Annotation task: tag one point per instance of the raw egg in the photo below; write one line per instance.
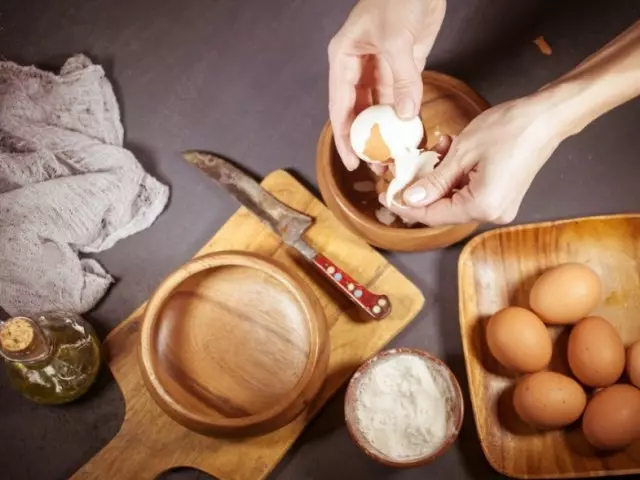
(612, 419)
(519, 340)
(549, 400)
(633, 363)
(596, 352)
(566, 293)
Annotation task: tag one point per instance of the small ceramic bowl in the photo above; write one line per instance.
(453, 400)
(234, 344)
(448, 105)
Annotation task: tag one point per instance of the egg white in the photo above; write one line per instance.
(402, 137)
(399, 135)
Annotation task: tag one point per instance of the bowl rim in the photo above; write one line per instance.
(301, 291)
(326, 140)
(349, 399)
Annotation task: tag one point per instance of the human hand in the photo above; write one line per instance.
(379, 53)
(488, 168)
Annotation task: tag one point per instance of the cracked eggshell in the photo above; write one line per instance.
(410, 167)
(379, 135)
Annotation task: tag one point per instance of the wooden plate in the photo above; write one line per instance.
(233, 343)
(497, 269)
(448, 105)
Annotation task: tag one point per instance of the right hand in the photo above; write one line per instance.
(488, 168)
(380, 51)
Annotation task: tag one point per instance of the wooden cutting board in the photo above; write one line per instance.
(150, 443)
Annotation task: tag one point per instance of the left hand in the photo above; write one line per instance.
(379, 54)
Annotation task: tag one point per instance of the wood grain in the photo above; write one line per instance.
(497, 269)
(448, 105)
(234, 343)
(149, 442)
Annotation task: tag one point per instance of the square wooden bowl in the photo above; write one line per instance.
(497, 269)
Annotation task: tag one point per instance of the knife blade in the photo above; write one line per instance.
(288, 224)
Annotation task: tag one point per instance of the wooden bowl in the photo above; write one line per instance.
(497, 269)
(448, 105)
(454, 402)
(233, 343)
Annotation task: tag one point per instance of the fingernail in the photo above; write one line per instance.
(405, 108)
(415, 195)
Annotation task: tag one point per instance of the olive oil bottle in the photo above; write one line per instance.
(50, 358)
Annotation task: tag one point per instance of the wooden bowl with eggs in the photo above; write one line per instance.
(549, 322)
(448, 105)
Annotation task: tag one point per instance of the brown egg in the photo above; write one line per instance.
(376, 148)
(596, 352)
(612, 418)
(549, 400)
(519, 340)
(566, 293)
(633, 363)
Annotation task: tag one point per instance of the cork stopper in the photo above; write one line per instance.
(16, 335)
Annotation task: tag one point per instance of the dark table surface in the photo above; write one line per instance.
(249, 80)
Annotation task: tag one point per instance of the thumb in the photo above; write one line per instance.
(407, 82)
(433, 186)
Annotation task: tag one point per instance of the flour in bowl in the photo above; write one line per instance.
(401, 407)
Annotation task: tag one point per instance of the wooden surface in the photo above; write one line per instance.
(149, 442)
(448, 105)
(497, 269)
(234, 343)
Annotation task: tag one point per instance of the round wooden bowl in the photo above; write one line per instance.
(448, 105)
(233, 343)
(454, 402)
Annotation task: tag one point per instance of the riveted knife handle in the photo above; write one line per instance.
(377, 306)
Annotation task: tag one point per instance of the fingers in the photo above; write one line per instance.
(443, 145)
(383, 82)
(435, 185)
(407, 82)
(449, 211)
(446, 211)
(344, 74)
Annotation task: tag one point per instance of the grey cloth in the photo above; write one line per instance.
(67, 186)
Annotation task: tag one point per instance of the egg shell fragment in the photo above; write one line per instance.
(595, 352)
(519, 340)
(549, 400)
(611, 420)
(566, 294)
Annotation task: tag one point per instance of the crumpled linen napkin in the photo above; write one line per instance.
(67, 186)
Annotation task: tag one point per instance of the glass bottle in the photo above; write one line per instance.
(50, 358)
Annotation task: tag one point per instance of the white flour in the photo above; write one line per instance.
(401, 409)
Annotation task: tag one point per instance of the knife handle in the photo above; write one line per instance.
(377, 306)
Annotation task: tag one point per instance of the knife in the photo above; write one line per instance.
(287, 223)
